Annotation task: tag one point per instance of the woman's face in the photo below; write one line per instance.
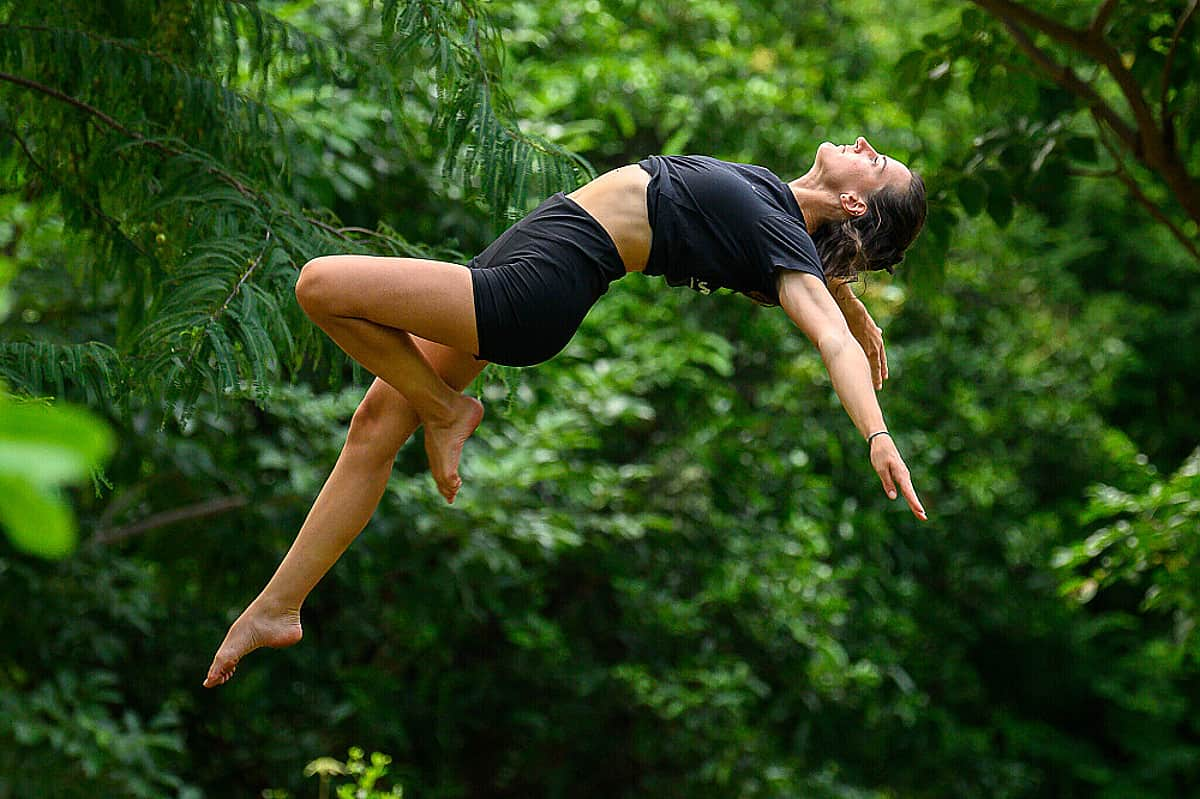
(859, 168)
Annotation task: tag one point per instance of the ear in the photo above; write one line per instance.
(852, 204)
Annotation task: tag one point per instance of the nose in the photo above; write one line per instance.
(862, 145)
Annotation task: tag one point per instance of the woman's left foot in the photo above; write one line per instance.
(261, 624)
(444, 444)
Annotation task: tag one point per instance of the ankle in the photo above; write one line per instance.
(276, 605)
(442, 411)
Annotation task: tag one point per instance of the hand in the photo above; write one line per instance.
(886, 460)
(870, 336)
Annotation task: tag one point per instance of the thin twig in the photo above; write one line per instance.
(111, 221)
(245, 275)
(1156, 212)
(364, 231)
(136, 137)
(217, 312)
(1093, 173)
(90, 109)
(341, 232)
(327, 227)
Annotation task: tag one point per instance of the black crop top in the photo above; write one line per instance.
(718, 224)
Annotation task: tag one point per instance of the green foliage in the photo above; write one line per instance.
(363, 775)
(1144, 538)
(671, 571)
(160, 136)
(77, 724)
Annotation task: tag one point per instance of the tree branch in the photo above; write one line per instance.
(1130, 183)
(1017, 13)
(1100, 19)
(1149, 144)
(200, 510)
(1167, 118)
(1065, 76)
(122, 501)
(89, 109)
(129, 133)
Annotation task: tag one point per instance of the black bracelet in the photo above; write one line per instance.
(880, 433)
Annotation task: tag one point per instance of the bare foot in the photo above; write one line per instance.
(444, 443)
(259, 625)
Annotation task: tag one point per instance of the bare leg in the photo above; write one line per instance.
(382, 423)
(372, 307)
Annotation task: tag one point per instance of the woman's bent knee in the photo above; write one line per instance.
(312, 287)
(382, 422)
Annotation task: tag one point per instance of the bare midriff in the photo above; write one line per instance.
(617, 200)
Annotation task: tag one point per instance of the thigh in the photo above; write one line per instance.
(456, 367)
(430, 299)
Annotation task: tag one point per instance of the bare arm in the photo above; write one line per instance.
(809, 304)
(868, 334)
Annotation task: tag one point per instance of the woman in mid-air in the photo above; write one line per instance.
(427, 328)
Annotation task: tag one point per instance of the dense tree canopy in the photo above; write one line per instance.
(671, 571)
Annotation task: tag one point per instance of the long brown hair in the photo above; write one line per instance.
(877, 239)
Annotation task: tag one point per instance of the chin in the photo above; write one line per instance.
(824, 150)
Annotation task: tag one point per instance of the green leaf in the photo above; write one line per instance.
(37, 520)
(50, 445)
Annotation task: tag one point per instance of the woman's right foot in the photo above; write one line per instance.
(444, 443)
(259, 625)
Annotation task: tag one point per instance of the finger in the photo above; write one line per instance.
(883, 358)
(889, 487)
(910, 495)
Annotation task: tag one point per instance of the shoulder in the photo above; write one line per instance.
(787, 245)
(786, 228)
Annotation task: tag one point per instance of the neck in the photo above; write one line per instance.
(815, 202)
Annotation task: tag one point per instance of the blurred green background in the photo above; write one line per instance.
(672, 572)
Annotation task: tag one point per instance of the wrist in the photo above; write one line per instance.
(879, 434)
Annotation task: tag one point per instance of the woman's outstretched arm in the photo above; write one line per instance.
(868, 334)
(808, 303)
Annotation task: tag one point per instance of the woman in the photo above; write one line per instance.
(427, 328)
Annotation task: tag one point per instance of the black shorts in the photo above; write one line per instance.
(534, 285)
